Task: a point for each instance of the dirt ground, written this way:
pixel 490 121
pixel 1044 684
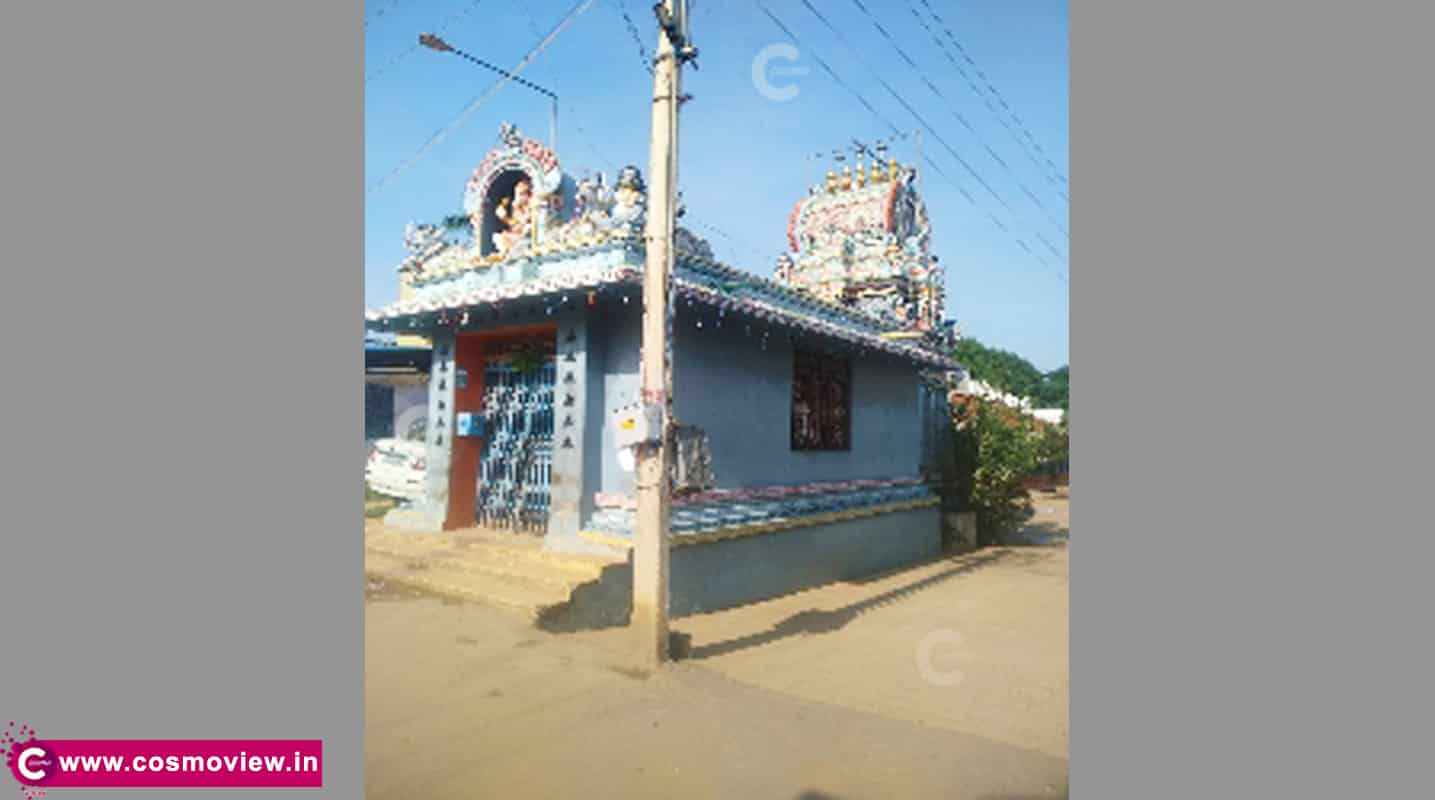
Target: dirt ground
pixel 945 680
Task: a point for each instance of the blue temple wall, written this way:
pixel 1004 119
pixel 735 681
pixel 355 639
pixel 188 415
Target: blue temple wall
pixel 713 576
pixel 724 574
pixel 740 393
pixel 618 331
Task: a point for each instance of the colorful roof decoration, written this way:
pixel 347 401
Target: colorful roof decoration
pixel 864 240
pixel 539 233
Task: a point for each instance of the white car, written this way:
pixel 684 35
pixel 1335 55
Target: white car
pixel 396 466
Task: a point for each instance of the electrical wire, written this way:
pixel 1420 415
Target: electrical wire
pixel 898 132
pixel 1055 173
pixel 966 165
pixel 408 51
pixel 637 37
pixel 473 106
pixel 382 10
pixel 902 53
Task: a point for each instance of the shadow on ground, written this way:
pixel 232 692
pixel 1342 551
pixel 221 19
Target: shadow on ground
pixel 819 621
pixel 1047 533
pixel 596 605
pixel 607 601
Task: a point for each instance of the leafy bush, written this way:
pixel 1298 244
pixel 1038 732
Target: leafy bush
pixel 994 449
pixel 1054 447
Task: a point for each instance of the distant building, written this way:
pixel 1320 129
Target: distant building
pixel 1052 416
pixel 395 389
pixel 967 386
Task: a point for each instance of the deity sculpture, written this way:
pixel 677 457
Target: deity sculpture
pixel 592 198
pixel 509 137
pixel 590 222
pixel 783 271
pixel 516 216
pixel 421 237
pixel 629 202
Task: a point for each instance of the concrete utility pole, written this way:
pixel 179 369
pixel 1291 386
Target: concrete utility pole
pixel 650 553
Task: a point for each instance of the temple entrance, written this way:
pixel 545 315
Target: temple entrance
pixel 500 470
pixel 516 469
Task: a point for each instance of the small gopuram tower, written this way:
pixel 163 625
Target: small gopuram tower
pixel 862 239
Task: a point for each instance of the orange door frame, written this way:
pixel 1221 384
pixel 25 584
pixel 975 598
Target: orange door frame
pixel 469 353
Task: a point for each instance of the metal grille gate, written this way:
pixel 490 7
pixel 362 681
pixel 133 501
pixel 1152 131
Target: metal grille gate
pixel 516 468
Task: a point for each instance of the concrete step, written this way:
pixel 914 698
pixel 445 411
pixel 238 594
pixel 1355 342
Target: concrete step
pixel 564 577
pixel 492 567
pixel 515 574
pixel 505 591
pixel 480 569
pixel 531 549
pixel 526 554
pixel 492 561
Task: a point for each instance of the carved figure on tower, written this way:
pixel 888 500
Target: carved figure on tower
pixel 630 200
pixel 515 215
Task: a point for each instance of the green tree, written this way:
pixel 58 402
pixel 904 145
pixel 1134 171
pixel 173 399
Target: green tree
pixel 1055 389
pixel 1011 373
pixel 1004 370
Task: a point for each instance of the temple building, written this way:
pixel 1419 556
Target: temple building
pixel 802 419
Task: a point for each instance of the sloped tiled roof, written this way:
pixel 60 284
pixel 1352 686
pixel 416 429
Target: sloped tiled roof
pixel 696 277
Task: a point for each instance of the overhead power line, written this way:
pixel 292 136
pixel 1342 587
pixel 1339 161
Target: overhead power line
pixel 382 10
pixel 898 132
pixel 528 15
pixel 471 58
pixel 1045 162
pixel 413 46
pixel 587 142
pixel 617 5
pixel 960 118
pixel 917 115
pixel 758 255
pixel 572 111
pixel 478 101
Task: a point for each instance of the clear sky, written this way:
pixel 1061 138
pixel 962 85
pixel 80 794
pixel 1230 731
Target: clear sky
pixel 745 158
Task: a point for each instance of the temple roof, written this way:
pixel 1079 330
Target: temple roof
pixel 697 277
pixel 863 239
pixel 537 233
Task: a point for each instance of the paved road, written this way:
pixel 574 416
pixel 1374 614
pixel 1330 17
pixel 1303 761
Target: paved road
pixel 947 681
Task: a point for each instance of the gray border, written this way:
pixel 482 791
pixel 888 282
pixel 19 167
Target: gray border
pixel 183 187
pixel 182 312
pixel 1249 175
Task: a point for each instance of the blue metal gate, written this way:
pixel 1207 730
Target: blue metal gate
pixel 516 468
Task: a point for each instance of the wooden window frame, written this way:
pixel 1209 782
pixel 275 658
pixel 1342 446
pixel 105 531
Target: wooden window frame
pixel 820 415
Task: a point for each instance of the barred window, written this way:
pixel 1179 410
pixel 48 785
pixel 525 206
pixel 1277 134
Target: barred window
pixel 821 401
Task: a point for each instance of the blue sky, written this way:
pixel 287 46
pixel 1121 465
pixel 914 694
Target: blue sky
pixel 745 158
